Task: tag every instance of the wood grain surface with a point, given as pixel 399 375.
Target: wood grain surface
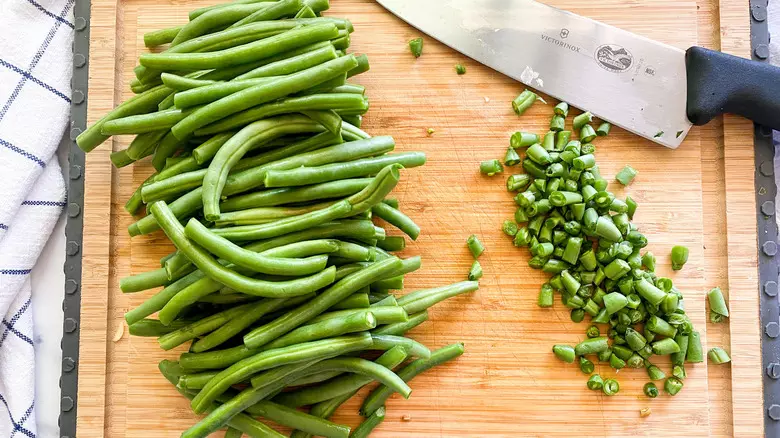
pixel 508 383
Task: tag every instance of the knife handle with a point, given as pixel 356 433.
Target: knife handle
pixel 719 83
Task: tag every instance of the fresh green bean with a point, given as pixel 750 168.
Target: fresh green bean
pixel 595 382
pixel 420 300
pixel 524 101
pixel 274 358
pixel 159 300
pixel 397 218
pixel 160 37
pixel 416 46
pixel 154 328
pixel 591 346
pixel 326 101
pixel 357 321
pixel 367 426
pixel 626 175
pixel 263 93
pixel 332 295
pixel 475 246
pixel 140 104
pixel 379 395
pixel 143 123
pixel 564 352
pixel 198 328
pixel 208 265
pixel 144 281
pixel 400 328
pixel 673 385
pixel 718 356
pixel 665 346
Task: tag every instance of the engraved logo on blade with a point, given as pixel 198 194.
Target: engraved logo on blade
pixel 614 58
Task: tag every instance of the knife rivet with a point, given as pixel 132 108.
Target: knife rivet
pixel 74 132
pixel 768 208
pixel 73 209
pixel 71 287
pixel 767 168
pixel 773 370
pixel 770 288
pixel 75 172
pixel 774 412
pixel 70 325
pixel 72 248
pixel 758 12
pixel 769 248
pixel 78 97
pixel 80 23
pixel 67 403
pixel 773 329
pixel 79 60
pixel 762 51
pixel 68 365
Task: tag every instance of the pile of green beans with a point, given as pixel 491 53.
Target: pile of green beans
pixel 583 235
pixel 267 187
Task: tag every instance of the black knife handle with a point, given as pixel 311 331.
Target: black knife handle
pixel 719 83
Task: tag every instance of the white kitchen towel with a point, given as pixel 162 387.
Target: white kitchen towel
pixel 35 72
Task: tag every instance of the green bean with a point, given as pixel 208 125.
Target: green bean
pixel 160 37
pixel 421 300
pixel 154 328
pixel 195 381
pixel 274 358
pixel 143 123
pixel 475 246
pixel 206 325
pixel 595 382
pixel 591 346
pixel 142 145
pixel 249 178
pixel 233 150
pixel 603 129
pixel 397 218
pixel 523 139
pixel 383 315
pixel 213 92
pixel 232 14
pixel 332 295
pixel 626 175
pixel 582 119
pixel 263 93
pixel 144 281
pixel 351 322
pixel 368 425
pixel 171 187
pixel 400 328
pixel 358 300
pixel 524 101
pixel 240 322
pixel 159 300
pixel 251 401
pixel 649 292
pixel 379 396
pixel 336 171
pixel 171 371
pixel 208 265
pixel 273 197
pixel 278 10
pixel 564 352
pixel 718 356
pixel 327 101
pixel 140 104
pixel 206 285
pixel 167 148
pixel 673 385
pixel 665 346
pixel 695 352
pixel 182 83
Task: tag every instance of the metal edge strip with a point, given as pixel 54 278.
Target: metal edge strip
pixel 768 263
pixel 71 304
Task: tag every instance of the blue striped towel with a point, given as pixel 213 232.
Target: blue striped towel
pixel 35 72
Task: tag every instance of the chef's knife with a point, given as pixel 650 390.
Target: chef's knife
pixel 649 88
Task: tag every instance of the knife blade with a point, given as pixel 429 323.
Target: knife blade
pixel 649 88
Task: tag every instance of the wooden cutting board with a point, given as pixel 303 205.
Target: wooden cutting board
pixel 508 383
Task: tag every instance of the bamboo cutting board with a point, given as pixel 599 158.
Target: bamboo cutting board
pixel 508 383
